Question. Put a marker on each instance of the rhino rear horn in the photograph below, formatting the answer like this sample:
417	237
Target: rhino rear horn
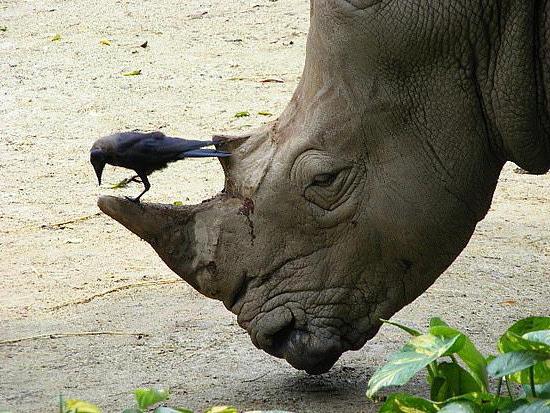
229	142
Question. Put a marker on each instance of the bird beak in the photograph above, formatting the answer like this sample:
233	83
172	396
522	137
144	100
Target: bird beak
98	167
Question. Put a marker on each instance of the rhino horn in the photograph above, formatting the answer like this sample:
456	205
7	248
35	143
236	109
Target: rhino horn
229	142
147	221
183	236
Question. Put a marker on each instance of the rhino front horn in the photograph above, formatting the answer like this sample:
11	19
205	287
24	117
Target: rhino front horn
147	221
183	237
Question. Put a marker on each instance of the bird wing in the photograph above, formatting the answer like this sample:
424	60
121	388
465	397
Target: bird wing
126	140
160	146
154	146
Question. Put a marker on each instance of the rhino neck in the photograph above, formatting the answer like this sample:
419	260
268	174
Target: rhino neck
516	91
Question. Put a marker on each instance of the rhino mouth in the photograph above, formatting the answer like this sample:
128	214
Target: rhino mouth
285	335
301	348
284	326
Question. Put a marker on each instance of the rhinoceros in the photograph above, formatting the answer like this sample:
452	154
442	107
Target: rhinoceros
372	180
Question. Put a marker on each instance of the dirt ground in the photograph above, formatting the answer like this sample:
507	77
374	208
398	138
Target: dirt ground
203	63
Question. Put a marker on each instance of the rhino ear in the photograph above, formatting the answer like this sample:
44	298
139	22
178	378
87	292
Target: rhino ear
517	99
529	147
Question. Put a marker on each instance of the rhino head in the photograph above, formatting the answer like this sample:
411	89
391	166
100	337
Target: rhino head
372	180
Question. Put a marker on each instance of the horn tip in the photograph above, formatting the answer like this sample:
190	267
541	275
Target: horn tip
116	206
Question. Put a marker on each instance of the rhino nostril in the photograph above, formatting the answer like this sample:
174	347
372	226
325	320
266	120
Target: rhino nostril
281	339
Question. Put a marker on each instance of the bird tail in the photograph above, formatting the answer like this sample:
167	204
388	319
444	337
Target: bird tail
204	153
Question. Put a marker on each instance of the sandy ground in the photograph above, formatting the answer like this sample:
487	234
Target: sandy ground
203	63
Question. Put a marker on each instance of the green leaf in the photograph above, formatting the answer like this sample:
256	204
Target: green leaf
132	73
222	409
475	397
413	357
56	37
177	203
172	410
540	336
105	42
451	381
437	322
509	363
133	410
148	397
265	113
541	374
437	387
445	331
513	339
460	407
242	114
542	390
529	324
541	406
81	406
409	330
507	405
487	402
470	355
533	335
404	403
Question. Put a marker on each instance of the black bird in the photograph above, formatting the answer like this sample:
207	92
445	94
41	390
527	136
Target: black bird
145	153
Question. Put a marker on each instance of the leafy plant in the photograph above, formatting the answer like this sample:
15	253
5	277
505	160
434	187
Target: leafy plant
458	372
526	353
146	400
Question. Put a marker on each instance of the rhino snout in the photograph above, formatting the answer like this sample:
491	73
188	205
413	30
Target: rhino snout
284	335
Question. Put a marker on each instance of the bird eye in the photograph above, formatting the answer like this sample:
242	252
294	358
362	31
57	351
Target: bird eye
97	154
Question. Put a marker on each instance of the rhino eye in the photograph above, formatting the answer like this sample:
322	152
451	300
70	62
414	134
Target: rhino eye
324	179
362	4
329	190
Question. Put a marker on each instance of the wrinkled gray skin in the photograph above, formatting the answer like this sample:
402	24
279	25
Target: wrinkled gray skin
372	181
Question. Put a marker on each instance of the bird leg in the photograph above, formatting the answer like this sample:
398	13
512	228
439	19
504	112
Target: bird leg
135	178
147	186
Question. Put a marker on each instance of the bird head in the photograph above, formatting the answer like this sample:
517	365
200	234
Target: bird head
98	160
